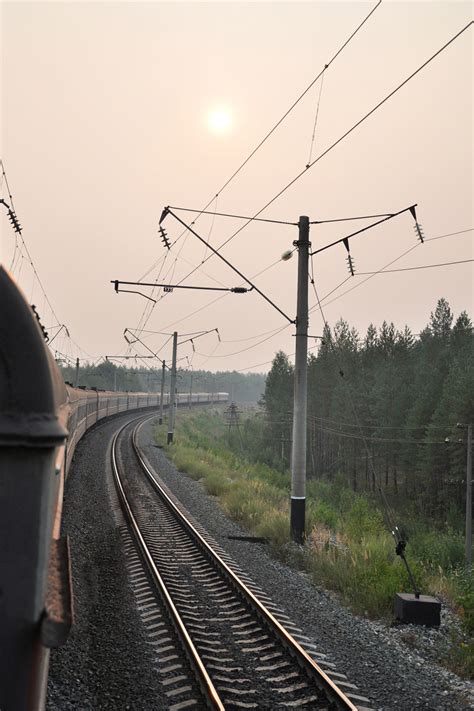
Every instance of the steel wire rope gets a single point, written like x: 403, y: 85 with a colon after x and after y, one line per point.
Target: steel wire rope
x: 212, y: 225
x: 316, y: 118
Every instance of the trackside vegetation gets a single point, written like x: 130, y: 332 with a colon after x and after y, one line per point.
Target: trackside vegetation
x: 348, y: 551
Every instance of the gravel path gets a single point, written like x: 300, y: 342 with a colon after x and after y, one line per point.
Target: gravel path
x: 107, y: 664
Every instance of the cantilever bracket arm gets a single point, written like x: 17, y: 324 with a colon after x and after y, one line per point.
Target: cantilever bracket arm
x: 364, y: 229
x: 130, y: 291
x: 170, y: 287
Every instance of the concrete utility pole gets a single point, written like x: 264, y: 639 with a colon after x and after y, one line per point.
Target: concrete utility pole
x: 76, y: 381
x: 298, y: 453
x: 162, y: 391
x: 172, y: 403
x: 469, y: 500
x: 191, y: 390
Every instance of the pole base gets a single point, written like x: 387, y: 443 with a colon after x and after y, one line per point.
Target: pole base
x: 160, y: 421
x: 170, y: 438
x: 297, y: 520
x: 422, y: 610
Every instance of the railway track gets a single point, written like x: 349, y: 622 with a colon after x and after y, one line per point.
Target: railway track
x: 219, y: 640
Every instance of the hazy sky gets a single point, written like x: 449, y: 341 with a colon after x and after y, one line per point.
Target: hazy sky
x: 105, y: 120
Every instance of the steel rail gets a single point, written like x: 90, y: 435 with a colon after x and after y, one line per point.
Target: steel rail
x: 313, y: 670
x: 203, y: 677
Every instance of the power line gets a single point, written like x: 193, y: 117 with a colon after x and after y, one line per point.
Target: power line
x: 316, y: 118
x: 248, y: 348
x: 295, y: 103
x: 237, y: 217
x: 376, y: 426
x: 450, y: 234
x: 365, y: 439
x: 382, y: 269
x: 344, y: 240
x: 150, y: 306
x: 340, y: 139
x: 421, y: 266
x: 29, y: 258
x: 226, y: 261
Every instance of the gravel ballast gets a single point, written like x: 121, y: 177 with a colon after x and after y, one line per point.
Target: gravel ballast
x: 374, y: 657
x: 107, y: 662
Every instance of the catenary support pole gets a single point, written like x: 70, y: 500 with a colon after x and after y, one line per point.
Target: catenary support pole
x: 469, y: 500
x: 172, y: 403
x: 76, y: 382
x: 162, y: 392
x: 298, y: 453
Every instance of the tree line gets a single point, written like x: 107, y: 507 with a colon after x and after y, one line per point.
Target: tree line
x: 383, y: 410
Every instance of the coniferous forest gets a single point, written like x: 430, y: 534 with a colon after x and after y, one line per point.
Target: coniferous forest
x: 383, y: 410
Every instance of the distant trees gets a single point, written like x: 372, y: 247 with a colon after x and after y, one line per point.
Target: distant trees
x: 382, y: 409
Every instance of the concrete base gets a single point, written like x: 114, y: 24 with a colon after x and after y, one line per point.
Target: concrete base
x: 424, y: 610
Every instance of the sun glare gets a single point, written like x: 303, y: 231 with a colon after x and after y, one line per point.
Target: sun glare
x: 219, y: 120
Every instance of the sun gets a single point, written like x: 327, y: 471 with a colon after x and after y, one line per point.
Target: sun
x: 220, y: 120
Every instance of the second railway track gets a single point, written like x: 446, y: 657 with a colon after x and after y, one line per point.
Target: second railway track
x: 220, y: 642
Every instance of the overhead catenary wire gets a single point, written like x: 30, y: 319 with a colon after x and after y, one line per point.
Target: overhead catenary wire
x: 236, y: 217
x: 248, y: 348
x: 229, y: 264
x: 365, y: 438
x: 376, y: 426
x: 420, y: 266
x: 279, y: 122
x: 382, y: 269
x: 150, y: 306
x: 310, y: 156
x: 294, y: 104
x: 26, y: 256
x: 339, y: 140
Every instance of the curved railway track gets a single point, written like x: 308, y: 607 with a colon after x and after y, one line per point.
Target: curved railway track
x: 217, y: 638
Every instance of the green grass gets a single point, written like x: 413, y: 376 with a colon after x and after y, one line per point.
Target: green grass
x: 348, y: 548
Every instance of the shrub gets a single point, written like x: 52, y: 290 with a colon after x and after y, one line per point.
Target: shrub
x: 362, y: 520
x: 321, y: 512
x: 274, y: 525
x: 216, y: 484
